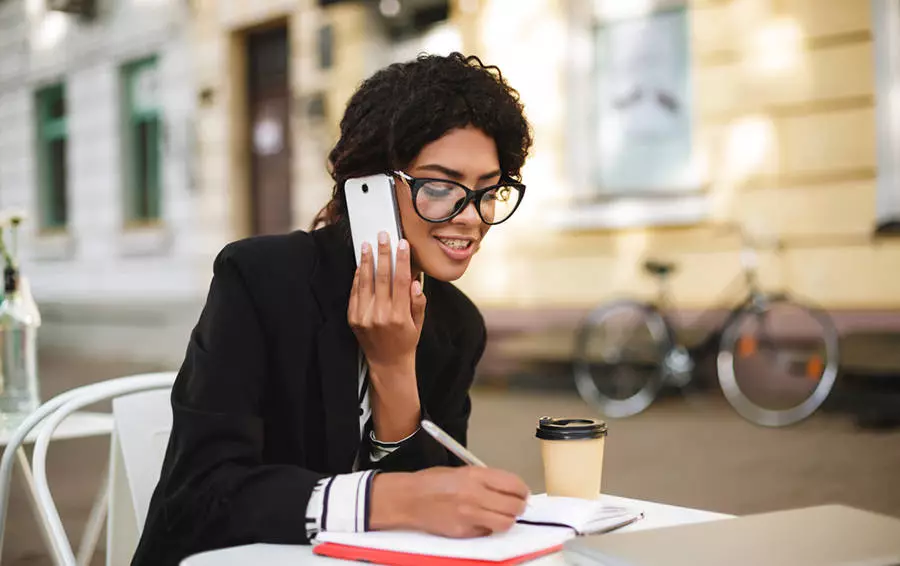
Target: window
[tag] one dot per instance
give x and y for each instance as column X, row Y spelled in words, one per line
column 143, row 143
column 52, row 152
column 886, row 35
column 630, row 104
column 641, row 99
column 326, row 47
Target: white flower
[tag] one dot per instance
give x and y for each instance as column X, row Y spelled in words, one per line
column 11, row 217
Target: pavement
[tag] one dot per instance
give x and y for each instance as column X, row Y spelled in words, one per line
column 695, row 452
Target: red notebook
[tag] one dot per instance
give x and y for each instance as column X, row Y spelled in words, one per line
column 520, row 544
column 393, row 558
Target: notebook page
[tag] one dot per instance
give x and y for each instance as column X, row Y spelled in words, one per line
column 519, row 540
column 583, row 515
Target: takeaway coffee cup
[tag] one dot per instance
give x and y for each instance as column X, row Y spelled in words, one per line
column 572, row 451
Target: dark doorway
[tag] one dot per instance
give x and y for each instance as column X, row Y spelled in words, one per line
column 268, row 96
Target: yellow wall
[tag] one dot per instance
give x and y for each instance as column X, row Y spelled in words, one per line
column 219, row 30
column 797, row 73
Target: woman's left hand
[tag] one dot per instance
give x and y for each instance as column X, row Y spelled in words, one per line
column 387, row 319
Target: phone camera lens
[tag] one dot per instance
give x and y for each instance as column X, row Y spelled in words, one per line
column 365, row 188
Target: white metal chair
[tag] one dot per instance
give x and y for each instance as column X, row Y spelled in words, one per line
column 49, row 416
column 14, row 451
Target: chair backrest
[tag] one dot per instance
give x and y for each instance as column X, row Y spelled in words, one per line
column 85, row 396
column 143, row 422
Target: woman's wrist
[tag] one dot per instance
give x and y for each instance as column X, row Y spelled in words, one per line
column 396, row 427
column 390, row 506
column 399, row 371
column 396, row 408
column 395, row 419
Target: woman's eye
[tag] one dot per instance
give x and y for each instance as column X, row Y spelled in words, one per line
column 438, row 190
column 501, row 194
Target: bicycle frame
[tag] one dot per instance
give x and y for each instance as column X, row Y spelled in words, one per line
column 709, row 318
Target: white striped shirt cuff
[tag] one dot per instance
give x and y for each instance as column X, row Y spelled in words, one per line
column 381, row 449
column 340, row 503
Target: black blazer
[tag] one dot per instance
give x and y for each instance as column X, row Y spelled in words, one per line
column 266, row 402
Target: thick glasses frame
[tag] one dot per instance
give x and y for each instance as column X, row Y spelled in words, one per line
column 476, row 195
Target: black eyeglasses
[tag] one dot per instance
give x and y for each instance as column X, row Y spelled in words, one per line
column 439, row 200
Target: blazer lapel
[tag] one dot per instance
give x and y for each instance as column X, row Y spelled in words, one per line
column 337, row 348
column 436, row 348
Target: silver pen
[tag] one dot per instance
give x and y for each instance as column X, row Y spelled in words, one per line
column 451, row 444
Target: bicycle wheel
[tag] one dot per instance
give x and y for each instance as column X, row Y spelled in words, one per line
column 778, row 361
column 619, row 353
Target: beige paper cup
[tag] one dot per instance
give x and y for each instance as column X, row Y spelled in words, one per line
column 572, row 452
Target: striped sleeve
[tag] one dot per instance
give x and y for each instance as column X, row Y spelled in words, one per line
column 340, row 503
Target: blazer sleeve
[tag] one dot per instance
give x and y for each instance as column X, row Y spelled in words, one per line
column 448, row 405
column 214, row 489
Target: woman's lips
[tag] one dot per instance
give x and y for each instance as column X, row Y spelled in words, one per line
column 456, row 253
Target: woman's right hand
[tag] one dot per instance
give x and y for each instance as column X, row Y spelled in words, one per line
column 453, row 502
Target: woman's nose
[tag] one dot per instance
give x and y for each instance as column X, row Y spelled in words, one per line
column 469, row 215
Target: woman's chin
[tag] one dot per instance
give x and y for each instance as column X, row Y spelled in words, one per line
column 445, row 271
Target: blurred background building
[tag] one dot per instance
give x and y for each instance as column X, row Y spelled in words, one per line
column 96, row 147
column 156, row 131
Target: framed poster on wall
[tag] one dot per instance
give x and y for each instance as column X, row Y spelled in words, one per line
column 630, row 140
column 642, row 97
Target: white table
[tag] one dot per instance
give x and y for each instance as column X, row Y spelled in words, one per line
column 77, row 425
column 656, row 515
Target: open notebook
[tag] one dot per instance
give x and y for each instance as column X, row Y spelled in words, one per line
column 546, row 524
column 583, row 516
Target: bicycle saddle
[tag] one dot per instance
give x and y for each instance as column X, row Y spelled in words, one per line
column 659, row 268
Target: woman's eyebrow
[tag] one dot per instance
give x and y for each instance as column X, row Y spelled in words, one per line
column 454, row 174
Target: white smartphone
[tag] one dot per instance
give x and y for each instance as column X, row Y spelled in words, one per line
column 372, row 208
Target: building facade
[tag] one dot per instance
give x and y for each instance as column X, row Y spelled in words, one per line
column 657, row 123
column 276, row 75
column 143, row 135
column 96, row 148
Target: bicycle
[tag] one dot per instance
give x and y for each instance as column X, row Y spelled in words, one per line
column 764, row 335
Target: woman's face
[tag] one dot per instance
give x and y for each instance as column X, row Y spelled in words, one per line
column 443, row 251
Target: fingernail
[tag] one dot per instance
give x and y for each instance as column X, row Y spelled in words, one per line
column 382, row 237
column 417, row 288
column 365, row 247
column 403, row 245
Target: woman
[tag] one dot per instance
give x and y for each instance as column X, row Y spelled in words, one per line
column 298, row 403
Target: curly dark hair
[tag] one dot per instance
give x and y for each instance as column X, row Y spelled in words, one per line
column 405, row 106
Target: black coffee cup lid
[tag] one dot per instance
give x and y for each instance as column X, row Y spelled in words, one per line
column 553, row 428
